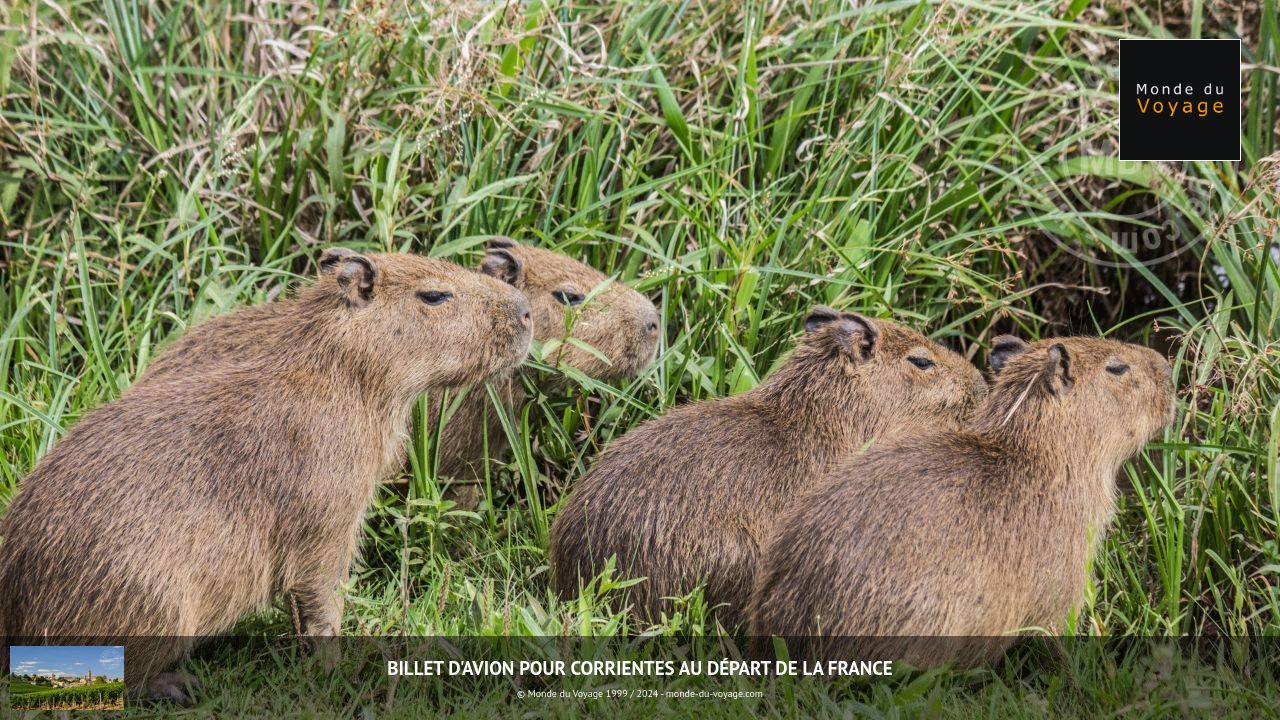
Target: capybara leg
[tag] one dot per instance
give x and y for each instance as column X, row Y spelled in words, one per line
column 320, row 611
column 177, row 687
column 731, row 565
column 145, row 663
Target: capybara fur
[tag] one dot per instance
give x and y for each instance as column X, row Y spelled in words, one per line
column 689, row 498
column 620, row 324
column 196, row 498
column 973, row 533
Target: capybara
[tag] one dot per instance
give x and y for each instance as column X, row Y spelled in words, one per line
column 620, row 325
column 973, row 533
column 191, row 500
column 691, row 497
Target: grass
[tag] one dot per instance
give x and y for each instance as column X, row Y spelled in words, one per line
column 736, row 162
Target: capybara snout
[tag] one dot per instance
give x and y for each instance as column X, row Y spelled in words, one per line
column 582, row 319
column 568, row 299
column 512, row 321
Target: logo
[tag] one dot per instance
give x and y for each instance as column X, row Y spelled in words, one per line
column 1180, row 100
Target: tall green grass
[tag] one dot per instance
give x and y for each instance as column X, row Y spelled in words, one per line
column 738, row 163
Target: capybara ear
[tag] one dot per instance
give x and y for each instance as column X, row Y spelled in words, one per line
column 1004, row 348
column 859, row 336
column 500, row 264
column 500, row 241
column 356, row 274
column 819, row 317
column 1057, row 369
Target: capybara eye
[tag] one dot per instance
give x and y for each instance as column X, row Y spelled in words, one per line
column 434, row 297
column 1118, row 368
column 565, row 297
column 923, row 363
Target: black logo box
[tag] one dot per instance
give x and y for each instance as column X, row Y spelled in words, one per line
column 1180, row 64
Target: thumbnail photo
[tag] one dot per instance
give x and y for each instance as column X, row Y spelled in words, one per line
column 84, row 677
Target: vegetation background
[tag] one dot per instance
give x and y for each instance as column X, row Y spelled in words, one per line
column 942, row 162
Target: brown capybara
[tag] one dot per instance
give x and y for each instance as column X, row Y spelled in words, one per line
column 191, row 500
column 690, row 497
column 619, row 324
column 973, row 533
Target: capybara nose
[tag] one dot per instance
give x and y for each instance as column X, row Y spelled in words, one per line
column 521, row 308
column 649, row 321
